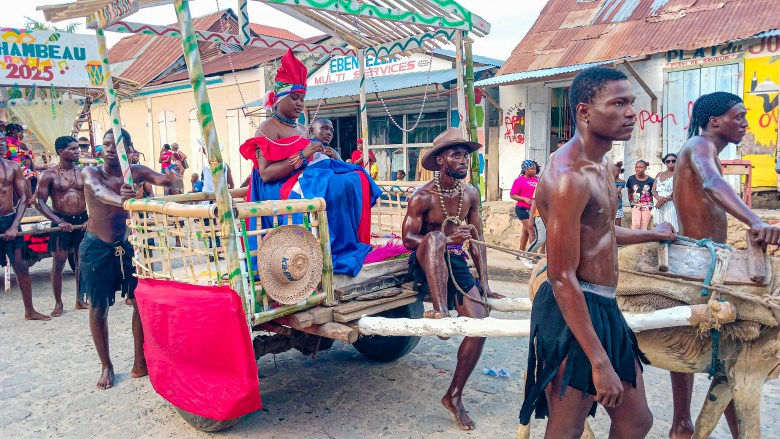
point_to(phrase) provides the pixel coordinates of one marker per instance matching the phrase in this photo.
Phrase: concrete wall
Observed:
(140, 117)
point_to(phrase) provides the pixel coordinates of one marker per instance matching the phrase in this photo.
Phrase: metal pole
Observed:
(472, 117)
(243, 21)
(236, 269)
(113, 108)
(363, 109)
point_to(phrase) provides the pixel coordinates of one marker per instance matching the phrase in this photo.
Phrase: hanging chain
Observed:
(382, 99)
(243, 100)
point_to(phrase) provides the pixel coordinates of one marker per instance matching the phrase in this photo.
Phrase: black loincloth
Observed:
(8, 248)
(552, 342)
(102, 271)
(460, 271)
(69, 241)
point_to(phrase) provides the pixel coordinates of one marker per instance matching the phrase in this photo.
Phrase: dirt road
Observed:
(48, 373)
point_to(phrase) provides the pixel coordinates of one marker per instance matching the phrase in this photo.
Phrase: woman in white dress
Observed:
(665, 211)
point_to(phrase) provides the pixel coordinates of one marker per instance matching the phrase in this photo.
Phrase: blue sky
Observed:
(510, 19)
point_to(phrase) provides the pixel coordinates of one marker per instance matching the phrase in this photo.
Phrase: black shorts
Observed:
(522, 213)
(104, 269)
(69, 241)
(8, 248)
(552, 342)
(460, 271)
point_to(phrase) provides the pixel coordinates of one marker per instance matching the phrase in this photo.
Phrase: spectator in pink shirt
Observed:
(523, 192)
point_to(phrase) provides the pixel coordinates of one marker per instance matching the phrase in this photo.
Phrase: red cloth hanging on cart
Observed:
(198, 348)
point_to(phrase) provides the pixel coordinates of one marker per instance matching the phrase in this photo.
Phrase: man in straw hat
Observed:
(581, 351)
(105, 255)
(717, 119)
(442, 215)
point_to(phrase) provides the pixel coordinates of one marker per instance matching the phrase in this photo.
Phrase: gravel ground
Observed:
(48, 373)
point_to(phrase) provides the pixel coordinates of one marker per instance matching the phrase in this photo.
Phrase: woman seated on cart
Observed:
(290, 165)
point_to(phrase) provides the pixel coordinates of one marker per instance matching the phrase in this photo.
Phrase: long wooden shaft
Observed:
(113, 108)
(237, 273)
(492, 327)
(363, 109)
(243, 21)
(471, 110)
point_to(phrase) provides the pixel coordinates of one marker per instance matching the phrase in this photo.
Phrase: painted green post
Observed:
(113, 108)
(472, 118)
(236, 269)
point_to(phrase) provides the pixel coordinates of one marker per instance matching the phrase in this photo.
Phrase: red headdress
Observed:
(290, 78)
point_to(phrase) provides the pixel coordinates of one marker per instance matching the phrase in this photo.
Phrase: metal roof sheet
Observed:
(574, 32)
(271, 31)
(379, 85)
(535, 74)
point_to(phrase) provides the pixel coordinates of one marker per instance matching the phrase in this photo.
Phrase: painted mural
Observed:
(761, 90)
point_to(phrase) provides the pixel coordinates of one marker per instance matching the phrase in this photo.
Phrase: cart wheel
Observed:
(206, 424)
(385, 348)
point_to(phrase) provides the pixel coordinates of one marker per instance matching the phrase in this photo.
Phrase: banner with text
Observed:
(49, 58)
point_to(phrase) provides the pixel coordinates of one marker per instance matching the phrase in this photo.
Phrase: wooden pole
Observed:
(113, 108)
(691, 315)
(363, 109)
(472, 118)
(237, 271)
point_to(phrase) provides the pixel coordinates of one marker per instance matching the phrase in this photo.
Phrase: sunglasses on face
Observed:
(671, 161)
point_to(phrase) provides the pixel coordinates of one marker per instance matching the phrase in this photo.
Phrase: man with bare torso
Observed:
(105, 255)
(66, 188)
(442, 215)
(582, 352)
(12, 183)
(700, 187)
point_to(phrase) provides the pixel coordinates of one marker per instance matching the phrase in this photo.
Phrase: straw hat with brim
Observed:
(450, 137)
(290, 264)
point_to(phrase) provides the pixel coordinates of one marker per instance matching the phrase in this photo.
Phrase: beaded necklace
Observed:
(71, 183)
(292, 123)
(447, 217)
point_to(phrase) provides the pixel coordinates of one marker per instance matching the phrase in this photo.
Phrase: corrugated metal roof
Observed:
(572, 32)
(535, 74)
(249, 58)
(383, 84)
(484, 60)
(380, 85)
(269, 31)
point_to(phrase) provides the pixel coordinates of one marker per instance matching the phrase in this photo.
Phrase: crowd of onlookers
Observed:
(648, 199)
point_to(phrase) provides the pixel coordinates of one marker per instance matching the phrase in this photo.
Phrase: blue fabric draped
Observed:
(340, 186)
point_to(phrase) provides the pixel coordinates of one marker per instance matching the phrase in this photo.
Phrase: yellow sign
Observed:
(762, 88)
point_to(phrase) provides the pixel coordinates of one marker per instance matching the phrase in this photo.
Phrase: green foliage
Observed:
(32, 23)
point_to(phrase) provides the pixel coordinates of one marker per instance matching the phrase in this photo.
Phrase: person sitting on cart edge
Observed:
(105, 255)
(442, 215)
(66, 188)
(322, 130)
(581, 350)
(12, 183)
(288, 165)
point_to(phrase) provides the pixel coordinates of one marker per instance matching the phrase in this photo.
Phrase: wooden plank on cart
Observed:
(370, 286)
(395, 303)
(353, 310)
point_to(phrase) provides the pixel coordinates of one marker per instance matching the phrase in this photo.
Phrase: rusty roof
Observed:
(270, 31)
(147, 59)
(571, 32)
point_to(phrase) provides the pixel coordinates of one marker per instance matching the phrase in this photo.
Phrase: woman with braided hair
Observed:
(717, 119)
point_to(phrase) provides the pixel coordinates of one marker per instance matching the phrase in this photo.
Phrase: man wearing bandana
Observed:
(290, 165)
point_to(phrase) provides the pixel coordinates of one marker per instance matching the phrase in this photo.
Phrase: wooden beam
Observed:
(643, 84)
(376, 309)
(490, 99)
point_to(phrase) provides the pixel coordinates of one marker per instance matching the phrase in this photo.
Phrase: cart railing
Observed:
(177, 241)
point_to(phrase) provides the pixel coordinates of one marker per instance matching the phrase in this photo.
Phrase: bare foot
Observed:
(681, 430)
(80, 304)
(106, 380)
(128, 302)
(454, 404)
(57, 310)
(139, 370)
(433, 314)
(35, 315)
